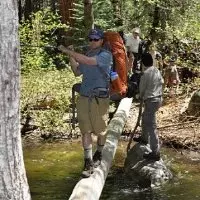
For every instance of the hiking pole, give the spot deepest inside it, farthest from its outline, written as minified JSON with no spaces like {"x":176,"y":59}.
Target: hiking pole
{"x":136,"y":126}
{"x":75,"y":88}
{"x":52,"y":47}
{"x":39,"y":46}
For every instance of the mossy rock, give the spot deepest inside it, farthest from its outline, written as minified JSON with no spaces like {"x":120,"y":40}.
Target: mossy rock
{"x":194,"y":104}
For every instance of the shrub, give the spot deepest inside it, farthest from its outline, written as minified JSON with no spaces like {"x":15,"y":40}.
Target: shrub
{"x":37,"y":37}
{"x":45,"y":98}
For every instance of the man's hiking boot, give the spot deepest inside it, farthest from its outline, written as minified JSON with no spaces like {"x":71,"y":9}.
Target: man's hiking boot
{"x":97,"y":157}
{"x":140,"y":140}
{"x":88,"y":168}
{"x":152,"y":156}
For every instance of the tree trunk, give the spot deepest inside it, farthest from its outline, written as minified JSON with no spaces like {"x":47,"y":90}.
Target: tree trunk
{"x":155,"y":24}
{"x":53,"y":5}
{"x":117,"y":12}
{"x":88,"y":16}
{"x":28,"y":8}
{"x":13,"y":182}
{"x":66,"y":11}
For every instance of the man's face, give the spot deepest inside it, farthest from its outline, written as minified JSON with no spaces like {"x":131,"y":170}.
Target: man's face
{"x":152,"y":48}
{"x":95,"y":43}
{"x":135,"y":35}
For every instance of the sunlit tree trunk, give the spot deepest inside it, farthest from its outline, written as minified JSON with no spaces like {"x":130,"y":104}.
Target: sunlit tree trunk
{"x":13,"y":181}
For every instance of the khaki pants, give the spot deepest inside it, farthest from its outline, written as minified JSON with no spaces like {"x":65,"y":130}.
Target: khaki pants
{"x":92,"y":114}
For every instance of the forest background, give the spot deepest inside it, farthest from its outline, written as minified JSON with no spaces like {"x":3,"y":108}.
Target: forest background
{"x":46,"y":78}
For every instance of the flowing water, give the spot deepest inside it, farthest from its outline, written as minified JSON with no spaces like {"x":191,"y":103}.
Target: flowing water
{"x":53,"y":169}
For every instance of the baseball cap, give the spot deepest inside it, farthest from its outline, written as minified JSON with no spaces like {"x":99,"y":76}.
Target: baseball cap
{"x":96,"y":34}
{"x":136,"y":30}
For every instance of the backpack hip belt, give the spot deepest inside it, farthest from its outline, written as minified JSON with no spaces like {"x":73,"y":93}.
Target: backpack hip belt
{"x":100,"y":92}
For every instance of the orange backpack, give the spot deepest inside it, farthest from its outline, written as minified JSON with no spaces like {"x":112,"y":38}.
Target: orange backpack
{"x":114,"y":43}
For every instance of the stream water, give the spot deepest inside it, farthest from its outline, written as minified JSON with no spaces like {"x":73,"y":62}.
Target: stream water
{"x":53,"y":169}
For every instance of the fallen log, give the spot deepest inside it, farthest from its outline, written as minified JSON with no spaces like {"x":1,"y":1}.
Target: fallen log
{"x":91,"y":188}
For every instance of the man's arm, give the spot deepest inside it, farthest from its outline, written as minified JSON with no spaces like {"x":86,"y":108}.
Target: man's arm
{"x":74,"y":66}
{"x":142,"y":86}
{"x":80,"y":58}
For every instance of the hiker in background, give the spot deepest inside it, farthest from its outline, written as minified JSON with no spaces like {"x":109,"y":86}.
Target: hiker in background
{"x":123,"y":36}
{"x":129,"y":56}
{"x":93,"y":102}
{"x":171,"y":76}
{"x":150,"y":89}
{"x":157,"y":57}
{"x":132,"y":45}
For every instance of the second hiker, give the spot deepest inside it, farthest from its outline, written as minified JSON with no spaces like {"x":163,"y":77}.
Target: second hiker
{"x":150,"y":89}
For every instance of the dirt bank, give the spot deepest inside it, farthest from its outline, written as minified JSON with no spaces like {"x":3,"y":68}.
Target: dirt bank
{"x":175,"y":128}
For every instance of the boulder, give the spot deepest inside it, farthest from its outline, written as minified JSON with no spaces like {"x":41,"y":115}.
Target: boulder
{"x":146,"y":173}
{"x":194,"y":104}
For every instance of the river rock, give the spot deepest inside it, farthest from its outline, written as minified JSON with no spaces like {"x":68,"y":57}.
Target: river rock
{"x":146,"y":173}
{"x":194,"y":104}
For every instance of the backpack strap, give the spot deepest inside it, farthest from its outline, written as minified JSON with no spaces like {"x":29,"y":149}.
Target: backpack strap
{"x":105,"y":74}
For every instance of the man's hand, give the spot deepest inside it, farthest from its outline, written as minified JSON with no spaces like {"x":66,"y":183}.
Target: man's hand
{"x":62,"y":48}
{"x":71,"y":47}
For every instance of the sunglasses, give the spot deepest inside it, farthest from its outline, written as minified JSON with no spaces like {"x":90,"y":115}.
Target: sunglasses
{"x":95,"y":40}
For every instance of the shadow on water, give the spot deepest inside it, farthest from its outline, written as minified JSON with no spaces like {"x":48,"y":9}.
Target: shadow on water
{"x":54,"y":169}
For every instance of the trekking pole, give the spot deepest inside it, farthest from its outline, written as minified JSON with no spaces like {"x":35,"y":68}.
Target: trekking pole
{"x":136,"y":126}
{"x":39,"y":46}
{"x":73,"y":108}
{"x":75,"y":88}
{"x":51,"y":46}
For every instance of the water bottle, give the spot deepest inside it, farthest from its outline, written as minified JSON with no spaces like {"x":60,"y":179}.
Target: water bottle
{"x":115,"y":82}
{"x":113,"y":76}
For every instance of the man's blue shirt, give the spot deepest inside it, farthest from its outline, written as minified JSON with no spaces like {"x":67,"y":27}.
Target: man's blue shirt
{"x":93,"y":76}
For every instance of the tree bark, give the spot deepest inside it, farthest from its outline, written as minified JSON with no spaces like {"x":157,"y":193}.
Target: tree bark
{"x":13,"y":181}
{"x":53,"y":5}
{"x":88,"y":16}
{"x":155,"y":24}
{"x":90,"y":188}
{"x":117,"y":12}
{"x":66,"y":11}
{"x":28,"y":8}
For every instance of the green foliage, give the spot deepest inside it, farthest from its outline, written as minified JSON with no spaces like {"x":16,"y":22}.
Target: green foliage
{"x":103,"y":17}
{"x":185,"y":24}
{"x":176,"y":18}
{"x":103,"y":14}
{"x":37,"y":35}
{"x":45,"y":94}
{"x":45,"y":97}
{"x":78,"y":28}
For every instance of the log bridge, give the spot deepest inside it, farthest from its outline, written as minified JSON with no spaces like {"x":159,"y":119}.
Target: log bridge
{"x":91,"y":188}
